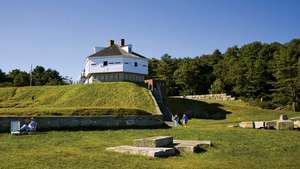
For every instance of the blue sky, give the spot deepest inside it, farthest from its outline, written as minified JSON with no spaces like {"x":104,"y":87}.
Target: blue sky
{"x":60,"y":33}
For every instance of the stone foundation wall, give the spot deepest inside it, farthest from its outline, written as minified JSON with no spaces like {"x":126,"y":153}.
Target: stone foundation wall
{"x":118,"y":76}
{"x":208,"y":96}
{"x":105,"y":122}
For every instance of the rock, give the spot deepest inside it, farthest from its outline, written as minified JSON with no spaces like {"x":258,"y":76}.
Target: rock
{"x":270,"y":124}
{"x":283,"y":117}
{"x":297,"y":124}
{"x":191,"y":145}
{"x":259,"y":124}
{"x":285,"y":125}
{"x":146,"y":151}
{"x":246,"y":124}
{"x":158,"y":141}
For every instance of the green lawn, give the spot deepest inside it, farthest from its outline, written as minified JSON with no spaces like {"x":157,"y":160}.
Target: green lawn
{"x":97,"y":99}
{"x":233,"y":147}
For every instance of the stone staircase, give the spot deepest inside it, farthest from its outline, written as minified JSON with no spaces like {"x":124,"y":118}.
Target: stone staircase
{"x":157,"y":93}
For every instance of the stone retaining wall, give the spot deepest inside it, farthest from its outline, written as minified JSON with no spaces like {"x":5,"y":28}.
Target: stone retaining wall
{"x":87,"y":122}
{"x":208,"y":96}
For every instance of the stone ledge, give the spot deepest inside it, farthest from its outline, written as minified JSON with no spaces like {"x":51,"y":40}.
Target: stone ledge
{"x":247,"y":124}
{"x":146,"y":151}
{"x":192,"y":145}
{"x":285,"y":125}
{"x":297,"y":124}
{"x":158,"y":141}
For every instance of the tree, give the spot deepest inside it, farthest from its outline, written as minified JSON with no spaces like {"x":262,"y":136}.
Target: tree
{"x":153,"y":66}
{"x":19,"y":78}
{"x":53,"y":77}
{"x":217,"y":87}
{"x":286,"y":71}
{"x":40,"y":76}
{"x":194,"y":76}
{"x":227,"y":69}
{"x":165,"y":71}
{"x":3,"y":77}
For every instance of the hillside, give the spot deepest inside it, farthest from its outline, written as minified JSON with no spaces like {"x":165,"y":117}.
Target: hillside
{"x":94,"y":99}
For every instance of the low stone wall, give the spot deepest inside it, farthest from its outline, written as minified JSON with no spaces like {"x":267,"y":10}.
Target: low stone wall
{"x":208,"y":96}
{"x":87,"y":122}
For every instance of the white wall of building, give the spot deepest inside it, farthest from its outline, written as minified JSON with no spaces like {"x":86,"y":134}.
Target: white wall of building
{"x":141,"y":68}
{"x":116,"y":64}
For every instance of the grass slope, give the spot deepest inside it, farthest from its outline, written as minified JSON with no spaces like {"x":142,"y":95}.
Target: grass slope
{"x":101,"y":98}
{"x":234,"y":148}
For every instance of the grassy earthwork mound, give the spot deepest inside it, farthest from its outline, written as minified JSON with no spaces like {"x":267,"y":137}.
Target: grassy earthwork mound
{"x":115,"y":98}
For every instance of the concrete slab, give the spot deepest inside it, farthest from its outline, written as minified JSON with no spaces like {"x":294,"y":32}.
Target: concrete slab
{"x":158,"y":141}
{"x":246,"y":124}
{"x":259,"y":124}
{"x":297,"y":124}
{"x":146,"y":151}
{"x":192,"y":145}
{"x":285,"y":125}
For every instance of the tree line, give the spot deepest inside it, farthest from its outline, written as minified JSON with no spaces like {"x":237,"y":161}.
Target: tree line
{"x":266,"y":74}
{"x":39,"y":76}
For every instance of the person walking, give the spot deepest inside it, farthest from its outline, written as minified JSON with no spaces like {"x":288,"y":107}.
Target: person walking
{"x":176,"y":120}
{"x":185,"y":120}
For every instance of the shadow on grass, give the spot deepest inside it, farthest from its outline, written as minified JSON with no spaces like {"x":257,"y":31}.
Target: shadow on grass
{"x":163,"y":126}
{"x":197,"y":109}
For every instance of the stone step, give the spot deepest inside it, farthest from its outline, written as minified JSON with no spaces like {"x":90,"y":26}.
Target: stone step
{"x":192,"y":145}
{"x":146,"y":151}
{"x":158,"y":141}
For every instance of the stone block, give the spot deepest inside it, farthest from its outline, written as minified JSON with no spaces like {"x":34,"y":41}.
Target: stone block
{"x":158,"y":141}
{"x":297,"y":124}
{"x":191,"y":145}
{"x":285,"y":125}
{"x":270,"y":124}
{"x":146,"y":151}
{"x":246,"y":124}
{"x":259,"y":124}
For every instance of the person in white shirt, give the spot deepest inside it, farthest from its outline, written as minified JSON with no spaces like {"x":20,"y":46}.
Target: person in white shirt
{"x":29,"y":127}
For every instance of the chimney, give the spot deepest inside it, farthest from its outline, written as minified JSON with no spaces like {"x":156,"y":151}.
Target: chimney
{"x":111,"y":42}
{"x":122,"y":42}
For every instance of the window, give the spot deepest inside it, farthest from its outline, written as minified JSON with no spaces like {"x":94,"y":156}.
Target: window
{"x":105,"y":63}
{"x":135,"y":64}
{"x":126,"y":62}
{"x":117,"y":62}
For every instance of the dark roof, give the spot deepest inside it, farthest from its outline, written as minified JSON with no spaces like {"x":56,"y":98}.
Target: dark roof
{"x":115,"y":50}
{"x":139,"y":55}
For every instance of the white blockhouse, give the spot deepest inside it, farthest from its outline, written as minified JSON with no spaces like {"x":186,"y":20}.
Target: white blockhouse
{"x":115,"y":63}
